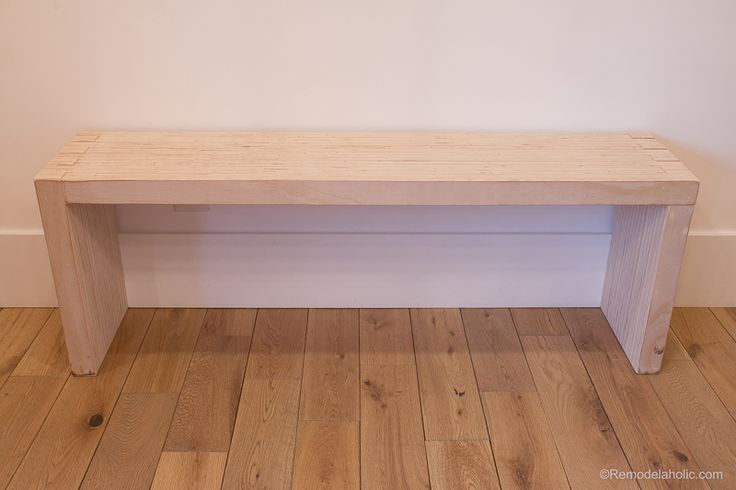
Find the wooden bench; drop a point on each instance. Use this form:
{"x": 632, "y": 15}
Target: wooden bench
{"x": 653, "y": 191}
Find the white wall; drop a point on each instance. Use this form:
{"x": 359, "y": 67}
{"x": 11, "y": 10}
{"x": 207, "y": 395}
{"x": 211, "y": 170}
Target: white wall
{"x": 666, "y": 66}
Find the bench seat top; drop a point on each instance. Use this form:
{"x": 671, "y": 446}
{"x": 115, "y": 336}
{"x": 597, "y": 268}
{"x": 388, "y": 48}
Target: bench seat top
{"x": 116, "y": 167}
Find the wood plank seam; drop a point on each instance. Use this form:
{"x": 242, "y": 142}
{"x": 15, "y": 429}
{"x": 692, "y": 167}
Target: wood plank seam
{"x": 266, "y": 423}
{"x": 222, "y": 348}
{"x": 627, "y": 399}
{"x": 39, "y": 427}
{"x": 69, "y": 431}
{"x": 598, "y": 396}
{"x": 677, "y": 428}
{"x": 392, "y": 433}
{"x": 240, "y": 395}
{"x": 609, "y": 448}
{"x": 35, "y": 336}
{"x": 419, "y": 391}
{"x": 669, "y": 416}
{"x": 301, "y": 392}
{"x": 199, "y": 334}
{"x": 483, "y": 407}
{"x": 544, "y": 410}
{"x": 680, "y": 357}
{"x": 712, "y": 456}
{"x": 360, "y": 408}
{"x": 710, "y": 384}
{"x": 120, "y": 392}
{"x": 451, "y": 404}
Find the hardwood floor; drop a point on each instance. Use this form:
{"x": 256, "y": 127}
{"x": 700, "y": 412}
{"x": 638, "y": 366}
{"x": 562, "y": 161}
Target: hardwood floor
{"x": 371, "y": 398}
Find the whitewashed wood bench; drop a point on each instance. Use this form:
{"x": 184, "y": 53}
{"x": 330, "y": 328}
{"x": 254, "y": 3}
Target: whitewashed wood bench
{"x": 653, "y": 191}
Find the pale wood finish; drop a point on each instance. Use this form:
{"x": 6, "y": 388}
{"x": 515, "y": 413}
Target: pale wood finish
{"x": 330, "y": 385}
{"x": 18, "y": 328}
{"x": 461, "y": 464}
{"x": 52, "y": 440}
{"x": 575, "y": 413}
{"x": 205, "y": 413}
{"x": 523, "y": 446}
{"x": 645, "y": 432}
{"x": 653, "y": 189}
{"x": 262, "y": 449}
{"x": 327, "y": 455}
{"x": 643, "y": 266}
{"x": 85, "y": 258}
{"x": 371, "y": 168}
{"x": 189, "y": 471}
{"x": 450, "y": 402}
{"x": 131, "y": 446}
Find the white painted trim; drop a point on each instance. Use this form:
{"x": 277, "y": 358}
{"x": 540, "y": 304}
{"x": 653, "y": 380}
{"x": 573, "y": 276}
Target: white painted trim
{"x": 716, "y": 233}
{"x": 153, "y": 277}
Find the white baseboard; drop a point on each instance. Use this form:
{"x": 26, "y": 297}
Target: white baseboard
{"x": 25, "y": 274}
{"x": 708, "y": 275}
{"x": 366, "y": 269}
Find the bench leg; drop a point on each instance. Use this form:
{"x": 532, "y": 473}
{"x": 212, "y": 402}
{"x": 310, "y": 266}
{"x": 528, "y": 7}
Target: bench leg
{"x": 85, "y": 260}
{"x": 643, "y": 266}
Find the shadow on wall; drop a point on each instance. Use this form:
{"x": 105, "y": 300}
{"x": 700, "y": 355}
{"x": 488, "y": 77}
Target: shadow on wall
{"x": 716, "y": 192}
{"x": 709, "y": 266}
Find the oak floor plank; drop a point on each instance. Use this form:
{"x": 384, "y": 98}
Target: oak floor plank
{"x": 327, "y": 455}
{"x": 496, "y": 351}
{"x": 523, "y": 446}
{"x": 277, "y": 350}
{"x": 451, "y": 406}
{"x": 330, "y": 384}
{"x": 18, "y": 328}
{"x": 727, "y": 317}
{"x": 262, "y": 449}
{"x": 673, "y": 349}
{"x": 392, "y": 452}
{"x": 696, "y": 327}
{"x": 590, "y": 411}
{"x": 701, "y": 419}
{"x": 538, "y": 321}
{"x": 646, "y": 433}
{"x": 162, "y": 363}
{"x": 131, "y": 445}
{"x": 461, "y": 464}
{"x": 189, "y": 470}
{"x": 385, "y": 337}
{"x": 711, "y": 348}
{"x": 205, "y": 412}
{"x": 24, "y": 403}
{"x": 583, "y": 434}
{"x": 66, "y": 442}
{"x": 391, "y": 434}
{"x": 47, "y": 355}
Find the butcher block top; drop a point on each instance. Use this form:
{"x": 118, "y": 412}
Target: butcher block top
{"x": 382, "y": 168}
